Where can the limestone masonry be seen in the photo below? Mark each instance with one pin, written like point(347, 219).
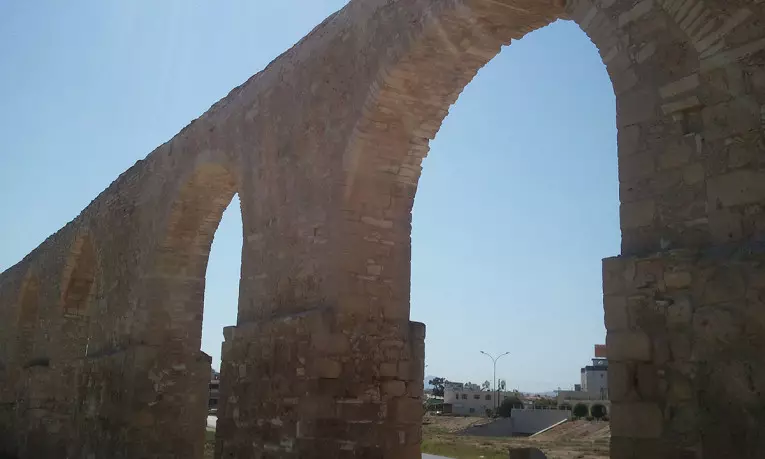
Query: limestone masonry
point(100, 326)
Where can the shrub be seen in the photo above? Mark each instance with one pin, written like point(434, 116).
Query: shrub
point(564, 406)
point(590, 418)
point(507, 406)
point(581, 410)
point(598, 411)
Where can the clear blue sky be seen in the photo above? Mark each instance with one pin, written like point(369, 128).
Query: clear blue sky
point(517, 205)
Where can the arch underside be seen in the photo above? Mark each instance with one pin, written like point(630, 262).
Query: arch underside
point(325, 149)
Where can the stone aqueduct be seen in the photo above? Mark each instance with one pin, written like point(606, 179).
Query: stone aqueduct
point(100, 325)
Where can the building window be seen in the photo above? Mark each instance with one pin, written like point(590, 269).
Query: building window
point(488, 396)
point(464, 396)
point(472, 410)
point(476, 397)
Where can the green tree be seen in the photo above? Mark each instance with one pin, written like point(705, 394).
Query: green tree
point(546, 402)
point(486, 386)
point(598, 411)
point(507, 405)
point(581, 410)
point(438, 386)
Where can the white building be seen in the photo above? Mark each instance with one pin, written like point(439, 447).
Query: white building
point(595, 378)
point(593, 387)
point(469, 399)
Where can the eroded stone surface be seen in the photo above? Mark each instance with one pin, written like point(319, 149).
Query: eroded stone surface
point(100, 326)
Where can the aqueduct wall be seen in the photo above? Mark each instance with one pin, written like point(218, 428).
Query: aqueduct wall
point(100, 325)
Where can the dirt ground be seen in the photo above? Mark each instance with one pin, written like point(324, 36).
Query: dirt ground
point(441, 436)
point(572, 440)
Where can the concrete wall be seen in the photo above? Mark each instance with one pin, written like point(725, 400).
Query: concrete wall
point(521, 422)
point(528, 422)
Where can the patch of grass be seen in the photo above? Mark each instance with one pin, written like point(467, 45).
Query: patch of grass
point(209, 444)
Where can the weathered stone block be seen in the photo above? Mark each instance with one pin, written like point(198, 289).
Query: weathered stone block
point(680, 312)
point(637, 214)
point(613, 276)
point(677, 279)
point(736, 188)
point(388, 370)
point(628, 345)
point(636, 420)
point(328, 368)
point(616, 317)
point(406, 410)
point(621, 381)
point(393, 388)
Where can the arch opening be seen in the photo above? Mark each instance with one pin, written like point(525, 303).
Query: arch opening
point(221, 294)
point(185, 310)
point(184, 253)
point(498, 185)
point(384, 159)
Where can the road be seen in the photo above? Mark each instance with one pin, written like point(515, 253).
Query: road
point(211, 420)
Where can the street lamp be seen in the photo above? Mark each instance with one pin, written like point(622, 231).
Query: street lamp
point(494, 360)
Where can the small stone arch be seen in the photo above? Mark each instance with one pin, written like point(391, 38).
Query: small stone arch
point(78, 283)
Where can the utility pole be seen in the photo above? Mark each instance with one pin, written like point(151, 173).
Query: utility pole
point(494, 361)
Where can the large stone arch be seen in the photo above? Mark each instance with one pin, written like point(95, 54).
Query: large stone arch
point(177, 371)
point(324, 147)
point(175, 284)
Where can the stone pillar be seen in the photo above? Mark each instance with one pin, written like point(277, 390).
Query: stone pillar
point(320, 385)
point(142, 402)
point(686, 333)
point(37, 422)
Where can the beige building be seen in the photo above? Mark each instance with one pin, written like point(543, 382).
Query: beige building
point(469, 399)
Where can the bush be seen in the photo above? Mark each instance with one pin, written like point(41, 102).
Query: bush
point(598, 411)
point(507, 406)
point(581, 410)
point(590, 418)
point(605, 419)
point(564, 406)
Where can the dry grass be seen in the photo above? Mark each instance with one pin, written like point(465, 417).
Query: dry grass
point(441, 437)
point(209, 444)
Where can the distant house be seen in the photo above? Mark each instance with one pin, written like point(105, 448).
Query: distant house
point(593, 387)
point(469, 399)
point(595, 378)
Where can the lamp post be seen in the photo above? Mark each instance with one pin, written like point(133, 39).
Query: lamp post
point(494, 361)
